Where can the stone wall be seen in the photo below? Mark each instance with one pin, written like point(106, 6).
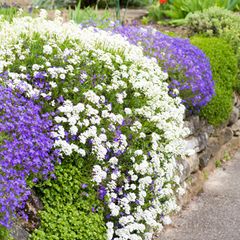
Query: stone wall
point(207, 147)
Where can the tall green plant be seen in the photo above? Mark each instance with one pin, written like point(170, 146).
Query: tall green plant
point(8, 13)
point(88, 15)
point(117, 2)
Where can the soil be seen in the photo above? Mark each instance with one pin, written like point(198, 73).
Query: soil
point(175, 31)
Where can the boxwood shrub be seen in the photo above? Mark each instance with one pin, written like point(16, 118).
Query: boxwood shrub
point(224, 69)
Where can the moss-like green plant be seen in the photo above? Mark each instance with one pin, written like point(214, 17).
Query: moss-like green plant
point(220, 23)
point(71, 207)
point(224, 68)
point(218, 163)
point(4, 234)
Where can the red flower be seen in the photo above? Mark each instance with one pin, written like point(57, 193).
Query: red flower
point(162, 1)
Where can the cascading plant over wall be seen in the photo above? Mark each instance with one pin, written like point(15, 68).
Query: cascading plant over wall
point(25, 150)
point(111, 112)
point(188, 67)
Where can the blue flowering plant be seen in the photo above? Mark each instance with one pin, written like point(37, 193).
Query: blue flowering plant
point(188, 68)
point(26, 149)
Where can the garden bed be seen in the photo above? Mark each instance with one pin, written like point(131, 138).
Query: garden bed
point(102, 131)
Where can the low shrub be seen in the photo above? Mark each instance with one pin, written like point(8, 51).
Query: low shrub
point(116, 128)
point(217, 22)
point(224, 68)
point(188, 67)
point(220, 23)
point(179, 9)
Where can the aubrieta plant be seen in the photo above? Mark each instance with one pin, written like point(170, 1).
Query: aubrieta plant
point(25, 150)
point(188, 67)
point(111, 111)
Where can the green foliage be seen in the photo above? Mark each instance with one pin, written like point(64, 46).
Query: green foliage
point(217, 22)
point(112, 3)
point(224, 69)
point(220, 23)
point(226, 156)
point(71, 210)
point(205, 174)
point(218, 163)
point(156, 12)
point(3, 137)
point(8, 13)
point(4, 234)
point(89, 14)
point(179, 9)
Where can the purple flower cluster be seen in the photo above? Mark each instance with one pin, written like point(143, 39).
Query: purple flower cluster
point(25, 150)
point(188, 67)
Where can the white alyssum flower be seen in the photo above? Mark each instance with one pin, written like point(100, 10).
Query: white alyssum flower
point(47, 49)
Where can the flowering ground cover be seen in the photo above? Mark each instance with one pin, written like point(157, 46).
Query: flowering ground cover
point(108, 125)
point(188, 67)
point(25, 151)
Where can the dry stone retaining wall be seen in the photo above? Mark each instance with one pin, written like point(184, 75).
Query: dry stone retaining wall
point(206, 145)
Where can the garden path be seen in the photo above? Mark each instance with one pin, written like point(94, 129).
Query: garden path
point(215, 214)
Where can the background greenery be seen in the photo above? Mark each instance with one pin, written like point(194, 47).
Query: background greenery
point(179, 9)
point(220, 23)
point(224, 69)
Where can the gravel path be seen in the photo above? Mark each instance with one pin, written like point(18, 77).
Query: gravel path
point(215, 214)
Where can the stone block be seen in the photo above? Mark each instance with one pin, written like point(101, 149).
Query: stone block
point(197, 144)
point(209, 129)
point(234, 116)
point(186, 169)
point(213, 145)
point(18, 232)
point(191, 144)
point(193, 162)
point(202, 141)
point(190, 126)
point(236, 100)
point(204, 158)
point(236, 128)
point(226, 135)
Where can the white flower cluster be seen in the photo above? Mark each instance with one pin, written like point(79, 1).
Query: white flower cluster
point(115, 108)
